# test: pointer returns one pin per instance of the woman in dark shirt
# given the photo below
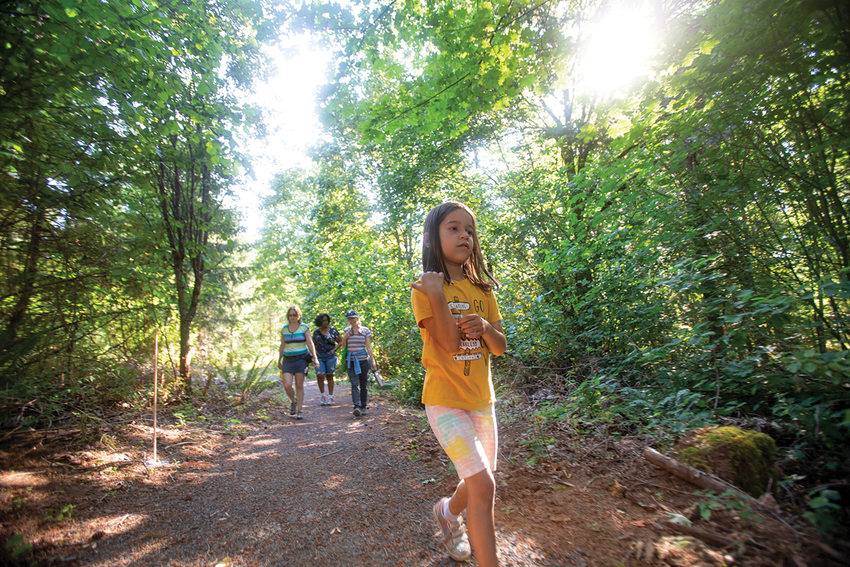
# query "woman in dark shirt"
(326, 339)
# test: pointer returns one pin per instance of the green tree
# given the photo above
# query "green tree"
(94, 98)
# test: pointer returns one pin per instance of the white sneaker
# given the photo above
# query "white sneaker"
(324, 400)
(452, 534)
(331, 400)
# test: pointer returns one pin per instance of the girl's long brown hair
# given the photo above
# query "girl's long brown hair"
(475, 269)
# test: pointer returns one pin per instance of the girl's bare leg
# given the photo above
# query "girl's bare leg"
(478, 495)
(330, 378)
(320, 380)
(457, 503)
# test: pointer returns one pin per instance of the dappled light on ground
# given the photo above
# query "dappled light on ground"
(265, 442)
(333, 482)
(21, 479)
(333, 489)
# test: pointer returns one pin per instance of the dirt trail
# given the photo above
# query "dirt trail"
(333, 489)
(322, 490)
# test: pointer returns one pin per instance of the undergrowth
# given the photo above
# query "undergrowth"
(814, 463)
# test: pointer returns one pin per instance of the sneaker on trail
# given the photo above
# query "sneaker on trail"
(357, 412)
(292, 407)
(331, 400)
(452, 534)
(299, 416)
(324, 399)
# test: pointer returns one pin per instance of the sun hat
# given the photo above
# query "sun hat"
(351, 313)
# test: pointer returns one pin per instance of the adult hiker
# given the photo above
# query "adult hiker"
(296, 353)
(359, 360)
(326, 339)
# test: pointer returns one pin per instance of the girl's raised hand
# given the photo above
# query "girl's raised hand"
(429, 282)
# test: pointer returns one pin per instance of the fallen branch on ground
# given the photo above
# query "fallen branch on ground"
(692, 475)
(330, 453)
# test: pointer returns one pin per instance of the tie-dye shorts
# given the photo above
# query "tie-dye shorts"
(469, 438)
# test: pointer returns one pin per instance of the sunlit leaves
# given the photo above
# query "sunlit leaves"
(458, 61)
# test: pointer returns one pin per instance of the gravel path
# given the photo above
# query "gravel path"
(332, 489)
(321, 491)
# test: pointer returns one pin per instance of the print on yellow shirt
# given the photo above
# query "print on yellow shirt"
(457, 307)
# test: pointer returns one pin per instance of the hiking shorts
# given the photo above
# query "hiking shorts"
(469, 438)
(296, 364)
(327, 364)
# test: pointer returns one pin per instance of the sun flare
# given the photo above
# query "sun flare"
(618, 50)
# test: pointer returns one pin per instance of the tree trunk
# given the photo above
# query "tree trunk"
(29, 272)
(185, 199)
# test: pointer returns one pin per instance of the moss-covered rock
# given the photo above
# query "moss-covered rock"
(744, 458)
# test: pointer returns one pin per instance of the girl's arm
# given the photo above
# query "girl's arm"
(441, 324)
(280, 352)
(495, 338)
(474, 326)
(338, 340)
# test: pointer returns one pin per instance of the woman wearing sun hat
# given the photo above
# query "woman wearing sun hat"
(359, 360)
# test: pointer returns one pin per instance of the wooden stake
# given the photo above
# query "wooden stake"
(155, 390)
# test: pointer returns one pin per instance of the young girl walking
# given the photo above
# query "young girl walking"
(460, 324)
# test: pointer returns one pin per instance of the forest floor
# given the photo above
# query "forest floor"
(260, 489)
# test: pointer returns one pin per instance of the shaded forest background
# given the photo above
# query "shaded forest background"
(670, 257)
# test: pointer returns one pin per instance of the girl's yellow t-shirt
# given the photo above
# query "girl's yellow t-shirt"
(460, 379)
